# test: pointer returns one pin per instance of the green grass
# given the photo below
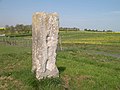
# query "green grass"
(88, 61)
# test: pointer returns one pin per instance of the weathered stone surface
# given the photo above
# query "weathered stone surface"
(45, 28)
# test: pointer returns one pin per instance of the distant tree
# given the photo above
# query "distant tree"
(85, 29)
(96, 30)
(69, 29)
(7, 27)
(89, 30)
(19, 28)
(27, 28)
(11, 29)
(109, 30)
(103, 30)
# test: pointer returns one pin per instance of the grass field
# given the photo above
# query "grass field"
(88, 61)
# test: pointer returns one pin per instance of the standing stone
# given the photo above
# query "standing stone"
(45, 28)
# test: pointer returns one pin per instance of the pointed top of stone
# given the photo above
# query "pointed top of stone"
(55, 13)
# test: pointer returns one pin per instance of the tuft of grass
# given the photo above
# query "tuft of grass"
(47, 84)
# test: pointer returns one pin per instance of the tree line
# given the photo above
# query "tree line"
(92, 30)
(69, 29)
(17, 29)
(27, 29)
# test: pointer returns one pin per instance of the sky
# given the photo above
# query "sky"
(90, 14)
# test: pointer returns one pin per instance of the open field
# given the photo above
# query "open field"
(88, 61)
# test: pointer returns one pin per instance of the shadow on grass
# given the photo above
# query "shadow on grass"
(61, 69)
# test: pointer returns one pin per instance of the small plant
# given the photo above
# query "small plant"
(47, 84)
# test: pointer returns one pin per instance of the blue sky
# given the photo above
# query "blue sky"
(91, 14)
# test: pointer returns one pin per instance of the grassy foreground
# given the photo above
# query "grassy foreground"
(88, 61)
